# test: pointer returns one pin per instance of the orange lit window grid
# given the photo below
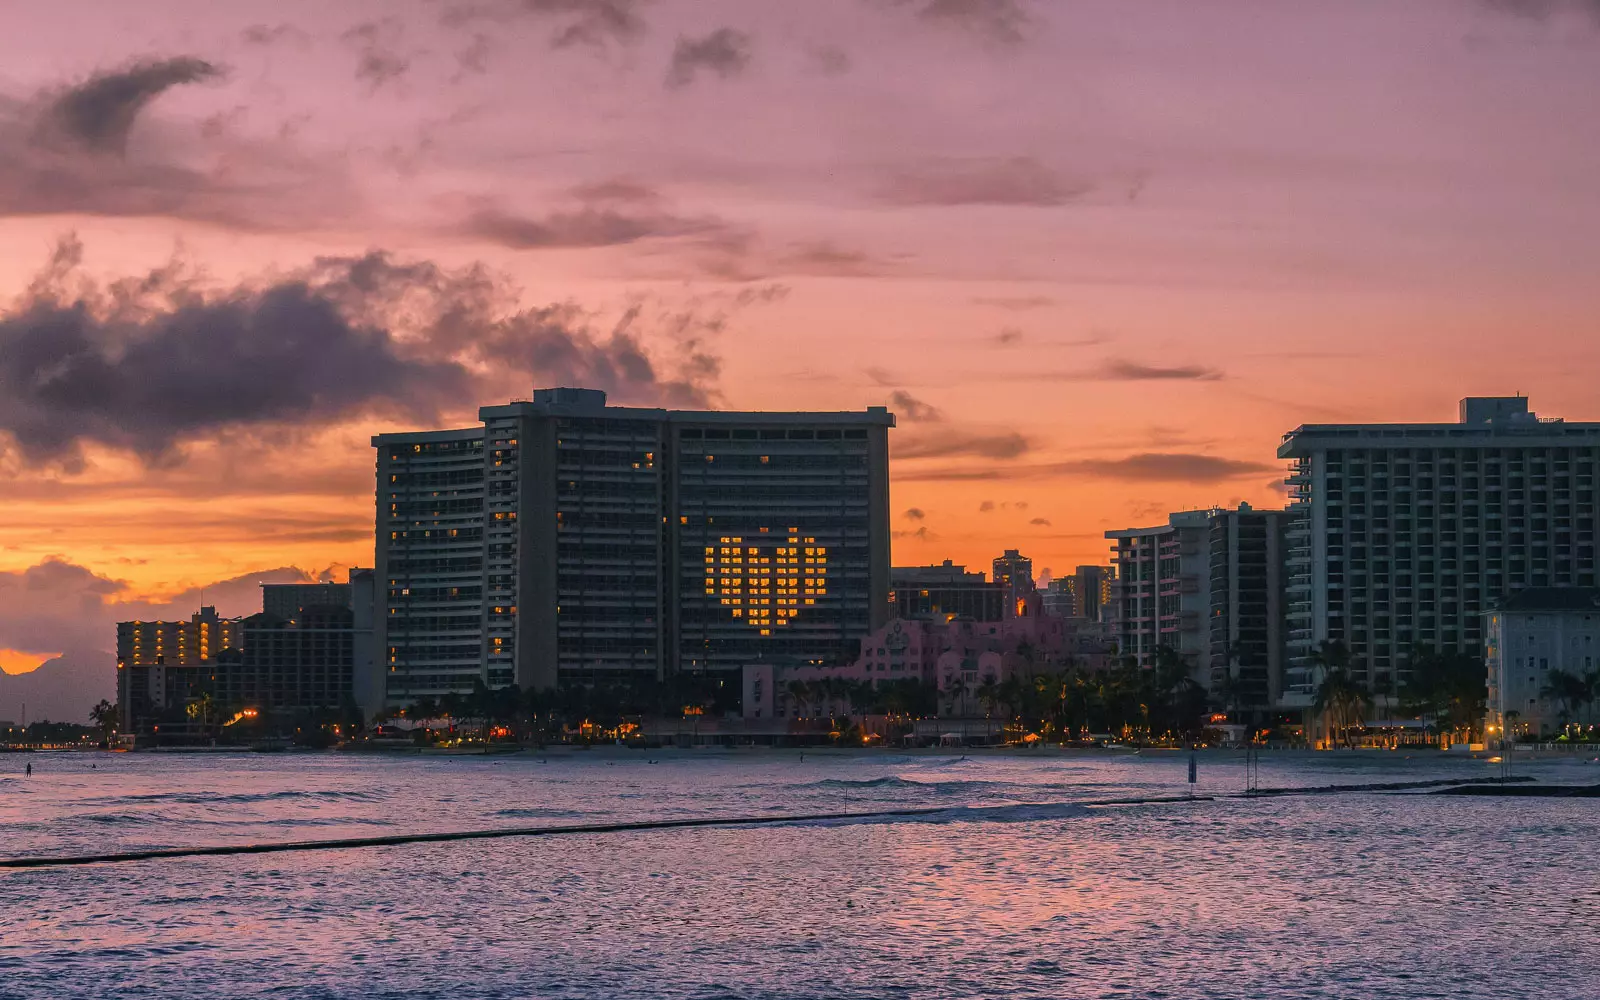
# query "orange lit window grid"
(764, 585)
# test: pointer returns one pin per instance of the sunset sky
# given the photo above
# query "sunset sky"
(1098, 255)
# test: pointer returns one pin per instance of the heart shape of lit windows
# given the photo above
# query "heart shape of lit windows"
(765, 580)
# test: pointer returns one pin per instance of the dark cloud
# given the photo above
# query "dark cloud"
(616, 189)
(68, 151)
(1151, 467)
(473, 58)
(273, 34)
(912, 409)
(915, 514)
(824, 258)
(593, 23)
(612, 212)
(1167, 467)
(142, 379)
(1042, 521)
(1002, 21)
(1009, 335)
(1020, 180)
(953, 443)
(378, 58)
(725, 52)
(596, 227)
(99, 113)
(1123, 370)
(1017, 303)
(986, 507)
(922, 534)
(1132, 371)
(1544, 10)
(830, 60)
(157, 360)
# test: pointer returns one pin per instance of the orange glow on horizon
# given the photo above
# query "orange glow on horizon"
(15, 662)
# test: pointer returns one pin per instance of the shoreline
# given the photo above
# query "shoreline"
(1048, 752)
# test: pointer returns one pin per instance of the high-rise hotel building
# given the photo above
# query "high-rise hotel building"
(1406, 533)
(567, 538)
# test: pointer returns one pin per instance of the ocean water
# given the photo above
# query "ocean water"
(1016, 888)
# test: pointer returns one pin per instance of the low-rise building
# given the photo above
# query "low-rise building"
(1533, 641)
(953, 657)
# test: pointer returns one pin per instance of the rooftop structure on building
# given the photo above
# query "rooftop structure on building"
(1403, 534)
(567, 538)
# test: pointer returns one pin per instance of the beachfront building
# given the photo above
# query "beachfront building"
(1541, 645)
(567, 538)
(956, 657)
(162, 666)
(1402, 534)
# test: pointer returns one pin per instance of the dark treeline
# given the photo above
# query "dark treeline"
(1446, 689)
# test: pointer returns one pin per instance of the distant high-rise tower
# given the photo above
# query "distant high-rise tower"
(1013, 571)
(567, 538)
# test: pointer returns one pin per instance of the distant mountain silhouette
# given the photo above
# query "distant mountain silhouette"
(62, 689)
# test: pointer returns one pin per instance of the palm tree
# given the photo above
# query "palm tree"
(798, 691)
(200, 708)
(989, 694)
(958, 691)
(1341, 700)
(108, 717)
(1566, 689)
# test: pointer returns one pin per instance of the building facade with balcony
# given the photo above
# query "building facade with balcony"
(1161, 597)
(566, 538)
(1399, 534)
